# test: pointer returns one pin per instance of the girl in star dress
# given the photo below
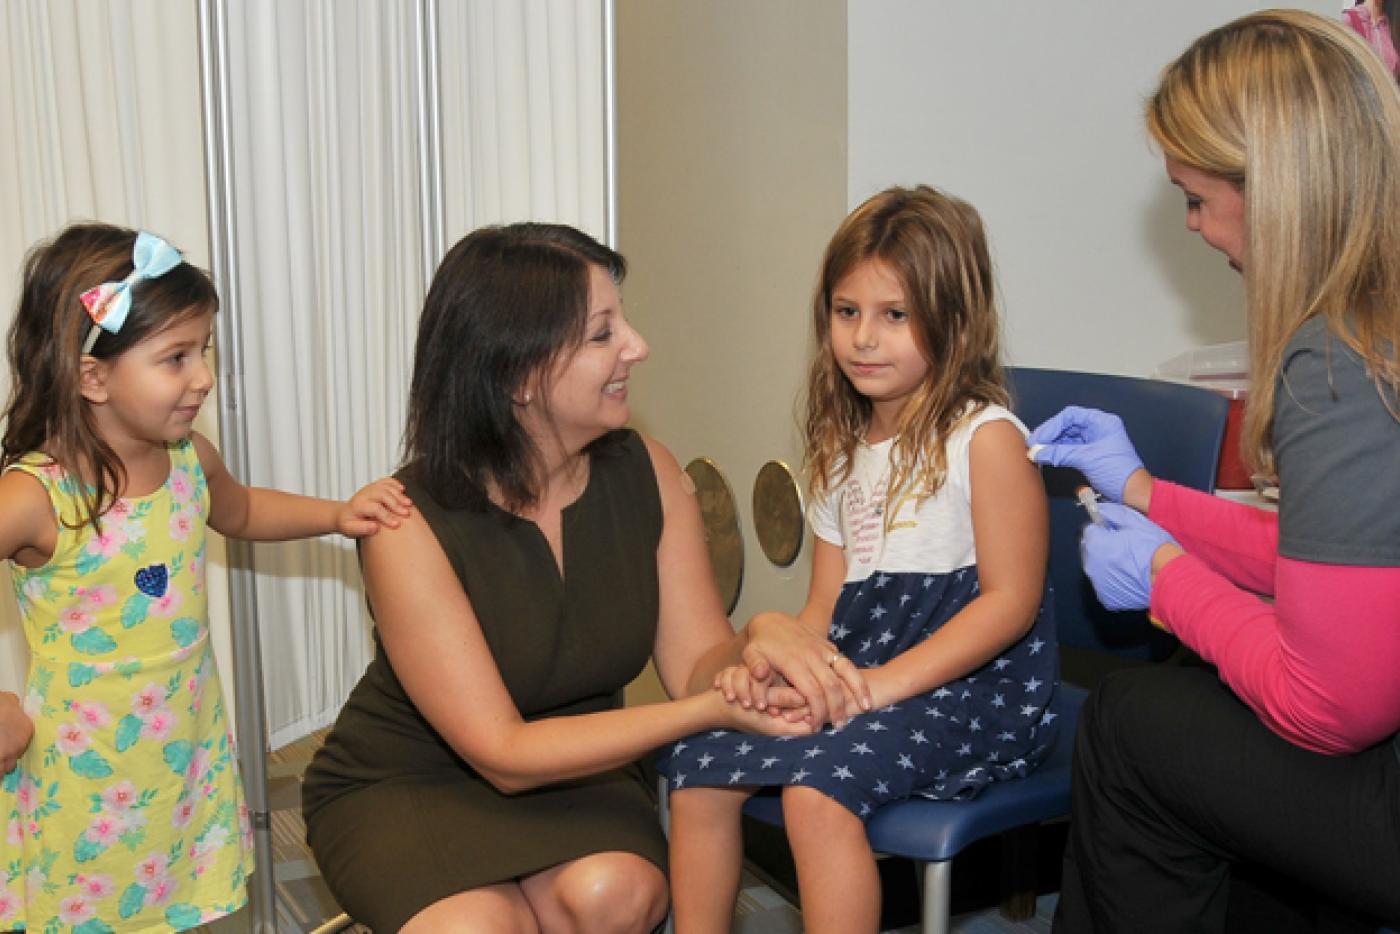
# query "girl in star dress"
(928, 574)
(125, 813)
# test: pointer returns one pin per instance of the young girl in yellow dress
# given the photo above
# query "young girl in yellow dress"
(126, 812)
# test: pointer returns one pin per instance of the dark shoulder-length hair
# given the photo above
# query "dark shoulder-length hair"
(46, 410)
(505, 305)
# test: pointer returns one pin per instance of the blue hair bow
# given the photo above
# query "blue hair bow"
(108, 304)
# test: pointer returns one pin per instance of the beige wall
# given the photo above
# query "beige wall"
(732, 165)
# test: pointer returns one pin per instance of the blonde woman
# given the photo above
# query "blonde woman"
(1281, 767)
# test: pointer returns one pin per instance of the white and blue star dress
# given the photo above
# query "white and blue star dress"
(906, 575)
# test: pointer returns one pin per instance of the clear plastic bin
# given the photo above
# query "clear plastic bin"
(1222, 368)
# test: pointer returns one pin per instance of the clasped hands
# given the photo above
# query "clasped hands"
(1121, 557)
(795, 677)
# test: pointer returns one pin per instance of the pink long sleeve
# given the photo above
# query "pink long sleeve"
(1318, 667)
(1236, 540)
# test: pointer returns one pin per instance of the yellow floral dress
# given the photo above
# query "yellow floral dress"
(126, 812)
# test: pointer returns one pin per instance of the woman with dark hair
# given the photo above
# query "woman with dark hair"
(483, 774)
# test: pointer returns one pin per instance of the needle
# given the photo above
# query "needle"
(1090, 501)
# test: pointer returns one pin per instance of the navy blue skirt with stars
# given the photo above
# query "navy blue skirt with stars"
(994, 724)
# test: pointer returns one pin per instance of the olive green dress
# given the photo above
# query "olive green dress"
(396, 819)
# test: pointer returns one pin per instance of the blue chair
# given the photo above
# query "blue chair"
(1177, 430)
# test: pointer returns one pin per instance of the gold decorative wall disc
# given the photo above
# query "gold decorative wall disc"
(777, 513)
(721, 517)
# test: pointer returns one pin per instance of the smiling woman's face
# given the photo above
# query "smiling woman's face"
(588, 391)
(1214, 209)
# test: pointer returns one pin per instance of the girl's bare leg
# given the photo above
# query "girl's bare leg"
(836, 876)
(706, 856)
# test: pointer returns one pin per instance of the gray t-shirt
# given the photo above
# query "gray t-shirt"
(1337, 450)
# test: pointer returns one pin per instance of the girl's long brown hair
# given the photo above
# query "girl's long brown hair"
(935, 246)
(46, 411)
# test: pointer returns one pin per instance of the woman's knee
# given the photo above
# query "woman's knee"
(610, 892)
(1111, 720)
(1139, 720)
(1123, 705)
(495, 909)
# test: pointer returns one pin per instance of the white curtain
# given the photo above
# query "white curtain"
(325, 153)
(523, 113)
(100, 120)
(324, 174)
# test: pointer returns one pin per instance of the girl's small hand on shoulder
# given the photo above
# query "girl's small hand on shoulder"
(381, 503)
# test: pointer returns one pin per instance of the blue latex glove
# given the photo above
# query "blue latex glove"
(1117, 557)
(1094, 443)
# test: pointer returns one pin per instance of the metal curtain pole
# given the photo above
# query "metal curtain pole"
(610, 121)
(429, 138)
(233, 429)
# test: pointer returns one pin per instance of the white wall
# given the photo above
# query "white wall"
(1033, 113)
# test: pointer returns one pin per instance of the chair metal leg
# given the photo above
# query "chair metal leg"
(937, 897)
(663, 805)
(663, 814)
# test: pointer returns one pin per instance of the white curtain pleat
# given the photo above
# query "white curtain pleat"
(328, 219)
(324, 174)
(523, 95)
(100, 120)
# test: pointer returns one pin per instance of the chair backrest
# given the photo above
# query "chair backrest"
(1177, 430)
